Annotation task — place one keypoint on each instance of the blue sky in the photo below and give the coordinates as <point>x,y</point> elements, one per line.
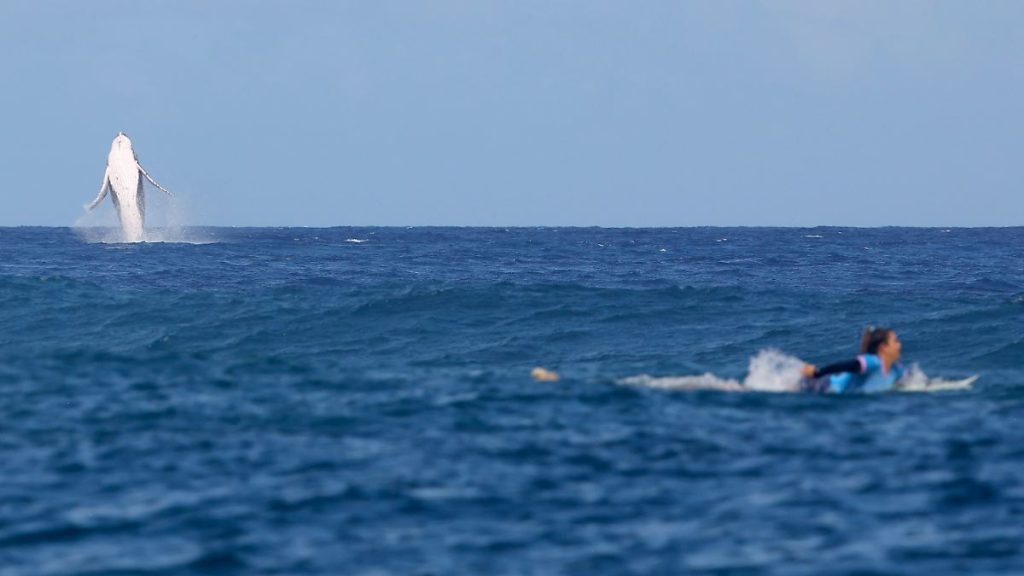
<point>526,112</point>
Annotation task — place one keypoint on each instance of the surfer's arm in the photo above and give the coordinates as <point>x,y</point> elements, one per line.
<point>856,366</point>
<point>150,178</point>
<point>103,191</point>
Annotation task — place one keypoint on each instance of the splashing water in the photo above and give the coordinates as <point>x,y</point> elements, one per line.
<point>165,215</point>
<point>769,371</point>
<point>773,371</point>
<point>917,381</point>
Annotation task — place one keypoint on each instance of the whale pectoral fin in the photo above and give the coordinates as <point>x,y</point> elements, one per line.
<point>140,200</point>
<point>104,187</point>
<point>150,178</point>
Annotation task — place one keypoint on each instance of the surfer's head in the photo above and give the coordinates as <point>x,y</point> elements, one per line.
<point>882,342</point>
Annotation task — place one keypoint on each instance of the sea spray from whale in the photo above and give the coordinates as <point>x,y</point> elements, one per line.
<point>773,371</point>
<point>123,179</point>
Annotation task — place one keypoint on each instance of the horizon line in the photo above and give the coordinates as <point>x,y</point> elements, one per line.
<point>536,226</point>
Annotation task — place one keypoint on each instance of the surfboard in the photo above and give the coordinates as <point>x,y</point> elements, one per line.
<point>939,384</point>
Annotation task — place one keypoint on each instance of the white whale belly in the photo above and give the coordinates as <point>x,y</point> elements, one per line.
<point>123,173</point>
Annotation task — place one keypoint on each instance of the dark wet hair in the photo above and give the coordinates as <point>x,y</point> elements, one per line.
<point>873,338</point>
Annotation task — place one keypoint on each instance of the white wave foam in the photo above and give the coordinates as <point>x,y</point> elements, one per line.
<point>706,381</point>
<point>769,371</point>
<point>114,235</point>
<point>773,371</point>
<point>917,381</point>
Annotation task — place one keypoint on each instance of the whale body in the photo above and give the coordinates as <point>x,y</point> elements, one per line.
<point>123,179</point>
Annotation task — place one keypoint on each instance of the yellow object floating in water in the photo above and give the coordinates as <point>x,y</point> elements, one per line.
<point>544,375</point>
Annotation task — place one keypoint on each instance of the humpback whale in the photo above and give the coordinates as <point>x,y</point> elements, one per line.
<point>123,178</point>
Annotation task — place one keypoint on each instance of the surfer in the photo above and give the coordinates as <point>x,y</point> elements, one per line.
<point>876,369</point>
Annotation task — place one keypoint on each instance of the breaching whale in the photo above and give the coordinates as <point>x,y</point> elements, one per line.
<point>123,178</point>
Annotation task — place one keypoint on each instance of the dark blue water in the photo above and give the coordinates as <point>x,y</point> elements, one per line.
<point>291,401</point>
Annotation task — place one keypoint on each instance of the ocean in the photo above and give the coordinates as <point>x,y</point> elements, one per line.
<point>358,401</point>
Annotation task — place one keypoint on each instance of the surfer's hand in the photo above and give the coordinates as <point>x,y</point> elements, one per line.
<point>808,370</point>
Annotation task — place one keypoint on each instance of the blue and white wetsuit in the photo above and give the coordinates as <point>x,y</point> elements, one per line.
<point>863,374</point>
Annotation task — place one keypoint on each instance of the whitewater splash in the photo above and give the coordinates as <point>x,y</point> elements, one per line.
<point>113,235</point>
<point>773,371</point>
<point>166,217</point>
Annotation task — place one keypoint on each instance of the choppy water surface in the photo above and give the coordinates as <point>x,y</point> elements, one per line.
<point>358,401</point>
